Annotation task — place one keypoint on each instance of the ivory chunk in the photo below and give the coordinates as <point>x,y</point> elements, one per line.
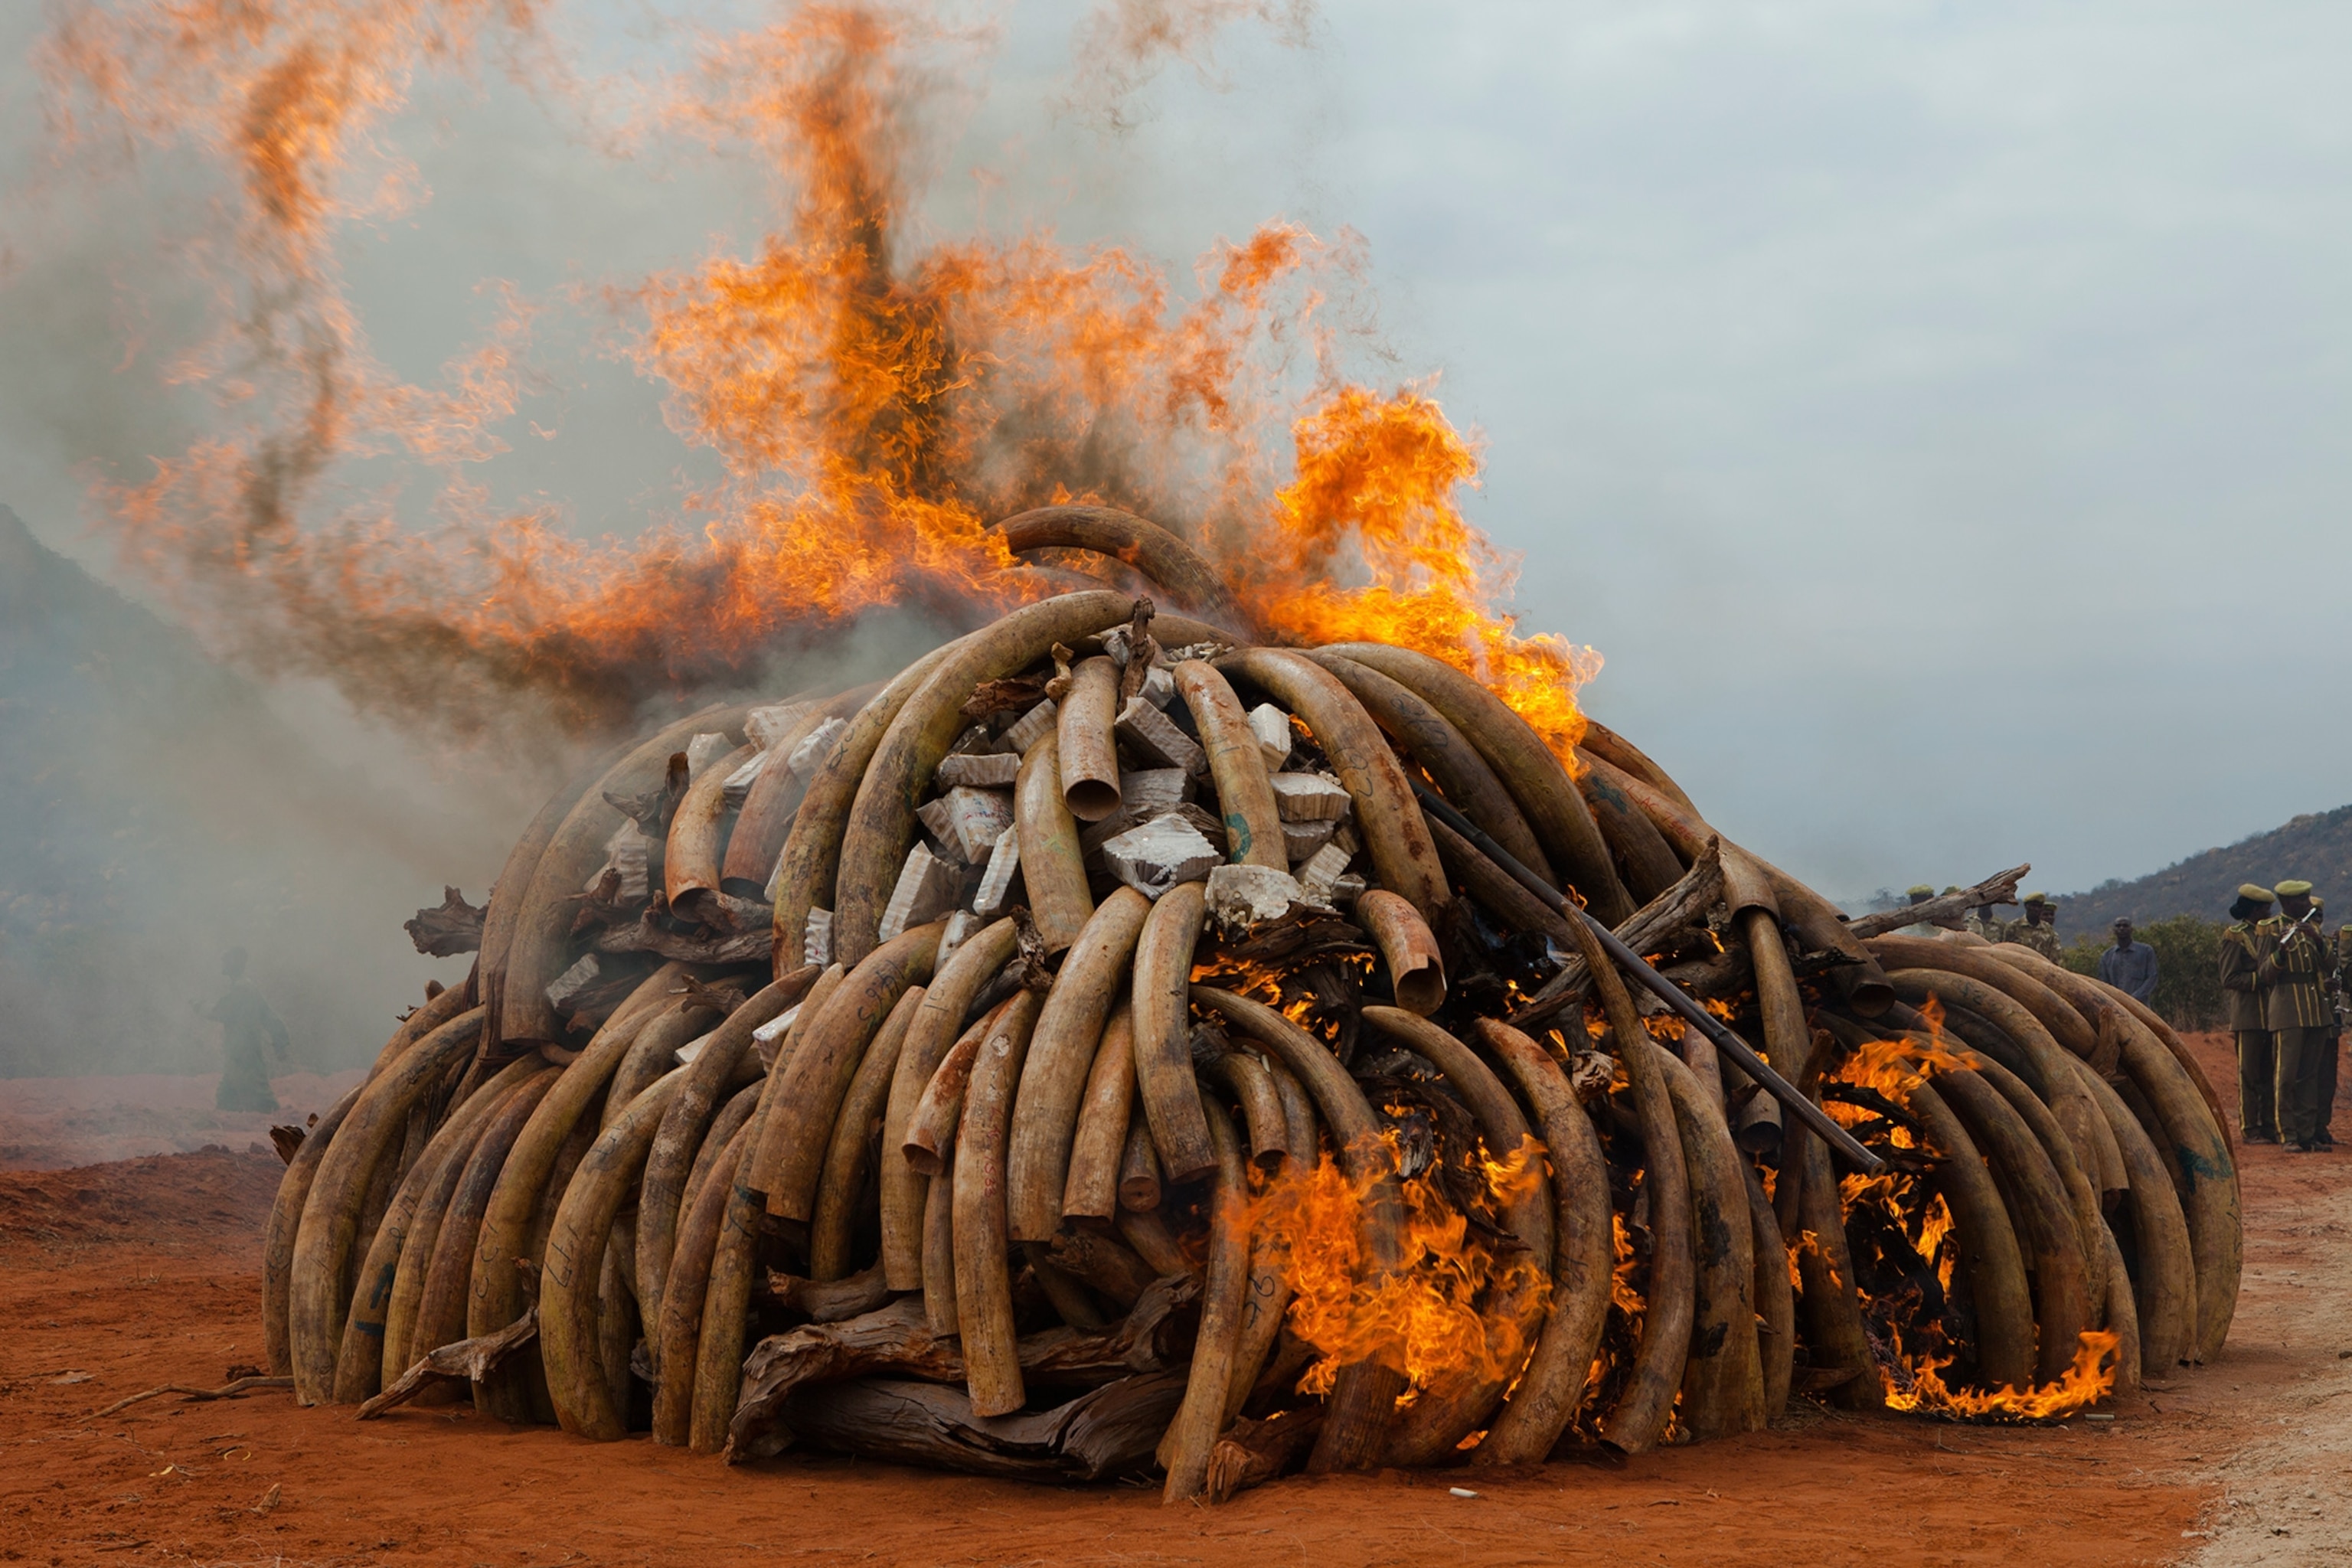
<point>990,770</point>
<point>1154,737</point>
<point>739,782</point>
<point>1243,896</point>
<point>933,816</point>
<point>961,927</point>
<point>996,882</point>
<point>1025,730</point>
<point>1158,686</point>
<point>1161,853</point>
<point>814,749</point>
<point>1308,797</point>
<point>1151,791</point>
<point>1322,870</point>
<point>766,726</point>
<point>630,853</point>
<point>703,751</point>
<point>974,818</point>
<point>1271,725</point>
<point>564,988</point>
<point>1303,839</point>
<point>817,948</point>
<point>926,888</point>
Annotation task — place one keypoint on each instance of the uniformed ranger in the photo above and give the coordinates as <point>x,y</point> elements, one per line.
<point>2331,1049</point>
<point>2295,1007</point>
<point>2039,929</point>
<point>2242,962</point>
<point>1984,921</point>
<point>1917,894</point>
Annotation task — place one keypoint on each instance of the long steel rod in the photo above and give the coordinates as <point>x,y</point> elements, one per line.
<point>1663,989</point>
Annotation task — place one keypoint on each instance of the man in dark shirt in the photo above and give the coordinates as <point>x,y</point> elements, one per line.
<point>2129,967</point>
<point>247,1025</point>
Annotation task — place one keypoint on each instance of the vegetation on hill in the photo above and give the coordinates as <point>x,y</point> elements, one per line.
<point>2315,847</point>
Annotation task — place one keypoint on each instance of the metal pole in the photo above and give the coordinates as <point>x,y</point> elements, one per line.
<point>1639,968</point>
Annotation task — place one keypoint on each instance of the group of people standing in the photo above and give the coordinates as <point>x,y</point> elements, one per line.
<point>2282,976</point>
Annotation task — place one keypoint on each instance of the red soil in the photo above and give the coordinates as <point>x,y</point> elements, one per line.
<point>117,1277</point>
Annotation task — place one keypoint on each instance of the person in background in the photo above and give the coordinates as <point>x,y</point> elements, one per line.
<point>2129,967</point>
<point>1985,923</point>
<point>2331,1047</point>
<point>1949,928</point>
<point>247,1023</point>
<point>2242,962</point>
<point>1918,893</point>
<point>2039,929</point>
<point>2295,1008</point>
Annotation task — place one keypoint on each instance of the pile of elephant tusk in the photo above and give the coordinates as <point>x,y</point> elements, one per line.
<point>1114,1046</point>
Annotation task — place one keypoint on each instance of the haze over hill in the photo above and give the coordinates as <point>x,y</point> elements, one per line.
<point>2315,847</point>
<point>155,809</point>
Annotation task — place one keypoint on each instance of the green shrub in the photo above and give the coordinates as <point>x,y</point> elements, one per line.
<point>2187,968</point>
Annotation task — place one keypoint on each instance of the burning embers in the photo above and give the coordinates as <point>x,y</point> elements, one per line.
<point>1084,1054</point>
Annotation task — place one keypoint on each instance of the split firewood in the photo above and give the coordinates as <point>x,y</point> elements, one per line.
<point>829,1300</point>
<point>236,1388</point>
<point>993,697</point>
<point>1997,890</point>
<point>467,1361</point>
<point>455,927</point>
<point>897,1341</point>
<point>1107,1431</point>
<point>659,938</point>
<point>1251,1453</point>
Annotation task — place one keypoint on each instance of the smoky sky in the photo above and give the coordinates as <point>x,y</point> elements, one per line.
<point>1932,414</point>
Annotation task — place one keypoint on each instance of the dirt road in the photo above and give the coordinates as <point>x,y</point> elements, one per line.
<point>115,1279</point>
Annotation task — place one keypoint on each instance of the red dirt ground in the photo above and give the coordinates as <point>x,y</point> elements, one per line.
<point>116,1277</point>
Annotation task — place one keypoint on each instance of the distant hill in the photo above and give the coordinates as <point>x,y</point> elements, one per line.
<point>2317,846</point>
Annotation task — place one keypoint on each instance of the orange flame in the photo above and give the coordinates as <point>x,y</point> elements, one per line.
<point>1426,1317</point>
<point>873,404</point>
<point>2089,1379</point>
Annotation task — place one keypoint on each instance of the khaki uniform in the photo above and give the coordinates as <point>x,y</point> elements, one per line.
<point>2041,938</point>
<point>2296,1006</point>
<point>2241,964</point>
<point>1992,928</point>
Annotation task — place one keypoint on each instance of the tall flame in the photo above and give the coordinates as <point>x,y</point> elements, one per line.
<point>873,403</point>
<point>1432,1315</point>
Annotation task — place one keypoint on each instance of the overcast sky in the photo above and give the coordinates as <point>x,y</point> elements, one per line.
<point>1936,415</point>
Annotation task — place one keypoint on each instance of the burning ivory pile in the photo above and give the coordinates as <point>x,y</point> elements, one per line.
<point>1111,1047</point>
